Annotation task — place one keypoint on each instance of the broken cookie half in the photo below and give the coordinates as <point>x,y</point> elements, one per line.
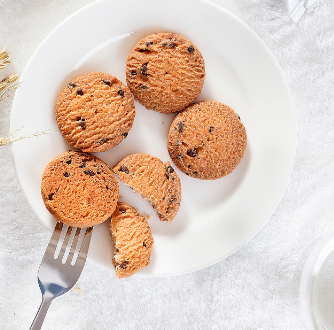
<point>154,180</point>
<point>132,238</point>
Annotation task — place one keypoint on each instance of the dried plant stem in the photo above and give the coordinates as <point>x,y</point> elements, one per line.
<point>4,58</point>
<point>6,89</point>
<point>6,84</point>
<point>6,141</point>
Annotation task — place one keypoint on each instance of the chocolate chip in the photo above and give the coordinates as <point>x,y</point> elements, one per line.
<point>51,196</point>
<point>149,43</point>
<point>107,82</point>
<point>133,72</point>
<point>172,199</point>
<point>144,69</point>
<point>66,174</point>
<point>123,265</point>
<point>124,169</point>
<point>172,44</point>
<point>68,161</point>
<point>89,172</point>
<point>144,244</point>
<point>79,91</point>
<point>191,49</point>
<point>125,135</point>
<point>211,129</point>
<point>107,187</point>
<point>164,44</point>
<point>103,140</point>
<point>154,107</point>
<point>143,87</point>
<point>169,169</point>
<point>238,116</point>
<point>120,92</point>
<point>122,210</point>
<point>72,84</point>
<point>192,152</point>
<point>195,172</point>
<point>83,164</point>
<point>180,125</point>
<point>82,123</point>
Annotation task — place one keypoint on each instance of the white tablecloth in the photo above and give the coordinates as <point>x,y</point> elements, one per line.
<point>256,287</point>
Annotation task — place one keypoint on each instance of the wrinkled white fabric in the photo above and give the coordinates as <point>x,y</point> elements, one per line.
<point>297,8</point>
<point>256,287</point>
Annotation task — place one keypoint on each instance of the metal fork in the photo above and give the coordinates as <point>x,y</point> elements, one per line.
<point>57,276</point>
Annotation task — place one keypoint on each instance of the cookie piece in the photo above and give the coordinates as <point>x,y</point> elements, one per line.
<point>165,72</point>
<point>132,238</point>
<point>79,189</point>
<point>207,140</point>
<point>154,180</point>
<point>95,112</point>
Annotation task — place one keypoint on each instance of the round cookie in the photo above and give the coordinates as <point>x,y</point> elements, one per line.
<point>132,238</point>
<point>165,72</point>
<point>95,112</point>
<point>79,189</point>
<point>207,140</point>
<point>154,180</point>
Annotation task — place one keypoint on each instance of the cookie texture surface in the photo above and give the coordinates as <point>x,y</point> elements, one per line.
<point>154,180</point>
<point>95,112</point>
<point>165,72</point>
<point>207,140</point>
<point>79,189</point>
<point>132,238</point>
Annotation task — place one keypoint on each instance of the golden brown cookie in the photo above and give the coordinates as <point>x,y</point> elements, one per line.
<point>165,72</point>
<point>95,112</point>
<point>132,238</point>
<point>79,189</point>
<point>154,180</point>
<point>207,140</point>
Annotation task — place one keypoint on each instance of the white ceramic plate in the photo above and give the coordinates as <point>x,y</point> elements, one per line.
<point>216,217</point>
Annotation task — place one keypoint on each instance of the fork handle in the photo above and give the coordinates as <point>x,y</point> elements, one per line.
<point>39,318</point>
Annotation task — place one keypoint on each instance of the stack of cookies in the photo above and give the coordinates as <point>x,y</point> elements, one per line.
<point>165,72</point>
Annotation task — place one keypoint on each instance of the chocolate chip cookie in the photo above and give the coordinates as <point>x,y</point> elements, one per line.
<point>154,180</point>
<point>95,112</point>
<point>207,140</point>
<point>165,72</point>
<point>79,189</point>
<point>132,238</point>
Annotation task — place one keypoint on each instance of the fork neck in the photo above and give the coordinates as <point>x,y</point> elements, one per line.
<point>43,308</point>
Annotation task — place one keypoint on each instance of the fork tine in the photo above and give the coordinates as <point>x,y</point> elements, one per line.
<point>51,248</point>
<point>84,247</point>
<point>74,245</point>
<point>64,246</point>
